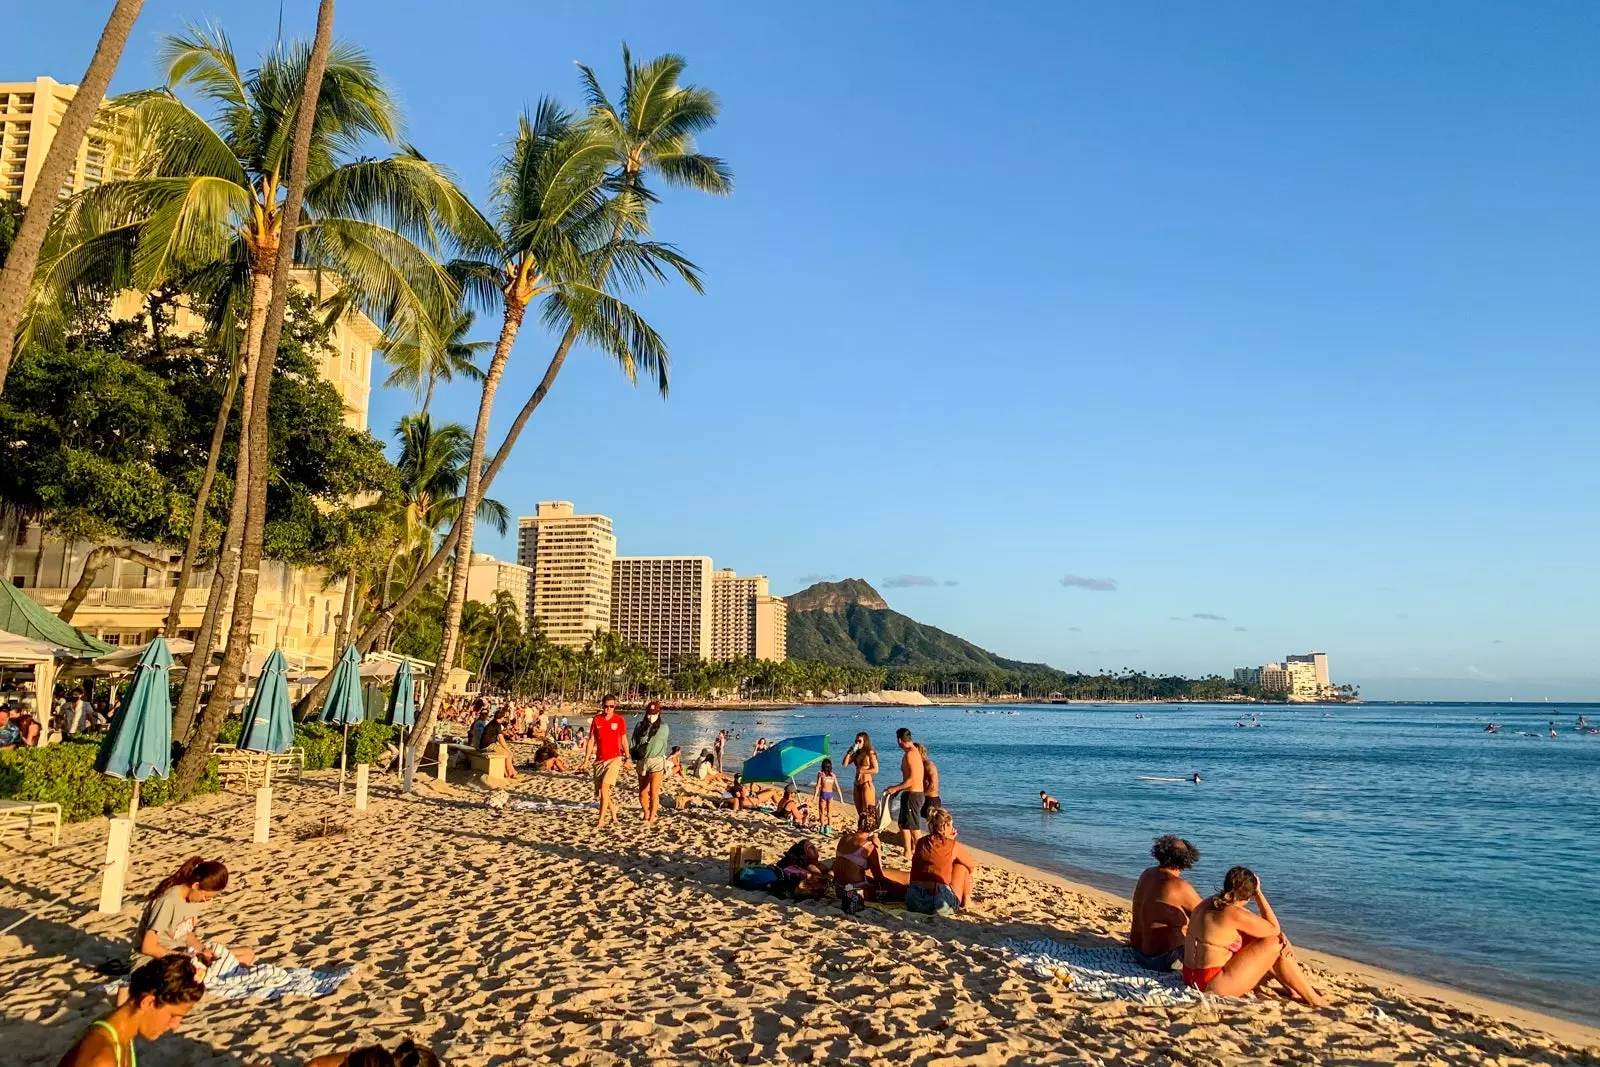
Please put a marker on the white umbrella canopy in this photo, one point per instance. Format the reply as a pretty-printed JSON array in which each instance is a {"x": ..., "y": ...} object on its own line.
[
  {"x": 125, "y": 659},
  {"x": 16, "y": 649}
]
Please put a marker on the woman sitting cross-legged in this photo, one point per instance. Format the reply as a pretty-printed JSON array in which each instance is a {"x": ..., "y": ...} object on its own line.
[
  {"x": 858, "y": 864},
  {"x": 172, "y": 909},
  {"x": 1229, "y": 950},
  {"x": 941, "y": 870}
]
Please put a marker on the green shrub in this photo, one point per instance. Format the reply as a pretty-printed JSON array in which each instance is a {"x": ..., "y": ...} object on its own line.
[
  {"x": 321, "y": 744},
  {"x": 369, "y": 739},
  {"x": 65, "y": 774},
  {"x": 231, "y": 731}
]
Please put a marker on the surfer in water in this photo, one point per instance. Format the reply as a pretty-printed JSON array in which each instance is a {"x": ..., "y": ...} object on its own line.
[
  {"x": 1048, "y": 802},
  {"x": 1492, "y": 728},
  {"x": 1195, "y": 778}
]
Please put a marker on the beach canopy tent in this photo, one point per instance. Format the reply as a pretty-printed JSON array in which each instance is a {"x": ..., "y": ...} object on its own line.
[
  {"x": 20, "y": 615},
  {"x": 268, "y": 723},
  {"x": 787, "y": 758}
]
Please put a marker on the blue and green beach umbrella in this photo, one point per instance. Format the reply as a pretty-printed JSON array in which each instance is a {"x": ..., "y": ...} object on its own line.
[
  {"x": 268, "y": 724},
  {"x": 403, "y": 697},
  {"x": 138, "y": 744},
  {"x": 345, "y": 704},
  {"x": 787, "y": 758}
]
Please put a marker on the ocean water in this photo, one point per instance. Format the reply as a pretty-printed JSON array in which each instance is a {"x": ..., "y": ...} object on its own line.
[{"x": 1400, "y": 835}]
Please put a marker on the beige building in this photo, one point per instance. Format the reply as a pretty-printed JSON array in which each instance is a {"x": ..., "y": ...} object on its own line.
[
  {"x": 30, "y": 114},
  {"x": 1303, "y": 677},
  {"x": 747, "y": 621},
  {"x": 570, "y": 559},
  {"x": 488, "y": 576},
  {"x": 1318, "y": 661},
  {"x": 664, "y": 603},
  {"x": 1274, "y": 679}
]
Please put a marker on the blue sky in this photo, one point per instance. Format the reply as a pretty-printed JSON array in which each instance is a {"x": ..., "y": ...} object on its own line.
[{"x": 1265, "y": 312}]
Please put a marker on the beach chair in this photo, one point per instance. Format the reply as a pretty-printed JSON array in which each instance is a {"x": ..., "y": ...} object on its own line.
[
  {"x": 24, "y": 817},
  {"x": 245, "y": 768}
]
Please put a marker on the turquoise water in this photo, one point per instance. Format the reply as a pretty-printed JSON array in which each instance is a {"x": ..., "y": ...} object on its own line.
[{"x": 1400, "y": 835}]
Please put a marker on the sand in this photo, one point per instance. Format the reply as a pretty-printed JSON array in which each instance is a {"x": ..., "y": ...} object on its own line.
[{"x": 513, "y": 937}]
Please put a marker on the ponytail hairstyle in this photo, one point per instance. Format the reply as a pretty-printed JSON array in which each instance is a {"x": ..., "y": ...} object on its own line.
[
  {"x": 1238, "y": 885},
  {"x": 209, "y": 875}
]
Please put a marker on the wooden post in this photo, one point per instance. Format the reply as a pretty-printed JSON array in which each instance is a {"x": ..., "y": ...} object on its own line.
[
  {"x": 263, "y": 815},
  {"x": 361, "y": 786},
  {"x": 444, "y": 759},
  {"x": 116, "y": 865}
]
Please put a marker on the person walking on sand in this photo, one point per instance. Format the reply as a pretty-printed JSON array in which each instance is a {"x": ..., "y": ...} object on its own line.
[
  {"x": 1228, "y": 949},
  {"x": 607, "y": 745},
  {"x": 649, "y": 753},
  {"x": 910, "y": 788},
  {"x": 160, "y": 993},
  {"x": 864, "y": 758},
  {"x": 1162, "y": 904}
]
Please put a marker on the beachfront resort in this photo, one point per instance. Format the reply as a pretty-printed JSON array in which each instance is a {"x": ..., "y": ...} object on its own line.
[{"x": 294, "y": 771}]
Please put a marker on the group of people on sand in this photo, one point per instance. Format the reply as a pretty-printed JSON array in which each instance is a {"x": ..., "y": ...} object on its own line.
[
  {"x": 169, "y": 961},
  {"x": 1218, "y": 943}
]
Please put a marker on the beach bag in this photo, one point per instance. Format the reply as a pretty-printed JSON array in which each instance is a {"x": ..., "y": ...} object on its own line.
[
  {"x": 740, "y": 857},
  {"x": 757, "y": 878},
  {"x": 886, "y": 819},
  {"x": 851, "y": 902}
]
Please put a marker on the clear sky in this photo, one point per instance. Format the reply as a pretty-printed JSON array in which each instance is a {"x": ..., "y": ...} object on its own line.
[{"x": 1073, "y": 326}]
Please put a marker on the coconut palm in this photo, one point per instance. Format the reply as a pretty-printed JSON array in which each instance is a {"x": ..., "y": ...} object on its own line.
[{"x": 417, "y": 364}]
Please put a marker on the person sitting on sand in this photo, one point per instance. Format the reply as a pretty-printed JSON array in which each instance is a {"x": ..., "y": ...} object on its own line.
[
  {"x": 789, "y": 806},
  {"x": 1162, "y": 904},
  {"x": 675, "y": 762},
  {"x": 1228, "y": 949},
  {"x": 492, "y": 740},
  {"x": 1048, "y": 802},
  {"x": 160, "y": 993},
  {"x": 548, "y": 758},
  {"x": 167, "y": 926},
  {"x": 858, "y": 864},
  {"x": 941, "y": 869},
  {"x": 407, "y": 1054}
]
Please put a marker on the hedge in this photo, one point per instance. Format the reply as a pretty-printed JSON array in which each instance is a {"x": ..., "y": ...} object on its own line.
[
  {"x": 321, "y": 742},
  {"x": 65, "y": 774}
]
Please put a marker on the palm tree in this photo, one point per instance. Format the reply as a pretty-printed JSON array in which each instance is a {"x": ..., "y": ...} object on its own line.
[
  {"x": 23, "y": 254},
  {"x": 419, "y": 365},
  {"x": 552, "y": 242}
]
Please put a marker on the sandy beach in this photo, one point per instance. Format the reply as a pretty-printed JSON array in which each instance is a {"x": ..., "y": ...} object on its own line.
[{"x": 506, "y": 936}]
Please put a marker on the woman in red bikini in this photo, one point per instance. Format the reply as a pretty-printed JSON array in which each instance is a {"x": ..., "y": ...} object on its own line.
[{"x": 1229, "y": 949}]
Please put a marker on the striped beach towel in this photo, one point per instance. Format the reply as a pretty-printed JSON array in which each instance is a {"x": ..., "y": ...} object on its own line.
[{"x": 1107, "y": 973}]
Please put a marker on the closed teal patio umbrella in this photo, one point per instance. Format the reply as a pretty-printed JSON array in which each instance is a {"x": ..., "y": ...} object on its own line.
[
  {"x": 138, "y": 744},
  {"x": 345, "y": 704},
  {"x": 403, "y": 707},
  {"x": 268, "y": 723}
]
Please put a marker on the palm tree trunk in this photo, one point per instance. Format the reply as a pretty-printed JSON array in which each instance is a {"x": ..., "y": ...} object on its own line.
[
  {"x": 427, "y": 397},
  {"x": 387, "y": 614},
  {"x": 58, "y": 164},
  {"x": 383, "y": 596},
  {"x": 347, "y": 608},
  {"x": 93, "y": 564},
  {"x": 227, "y": 570},
  {"x": 457, "y": 600},
  {"x": 244, "y": 597},
  {"x": 202, "y": 498}
]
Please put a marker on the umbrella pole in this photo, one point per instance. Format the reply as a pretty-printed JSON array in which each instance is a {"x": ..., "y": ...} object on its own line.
[
  {"x": 343, "y": 752},
  {"x": 133, "y": 815}
]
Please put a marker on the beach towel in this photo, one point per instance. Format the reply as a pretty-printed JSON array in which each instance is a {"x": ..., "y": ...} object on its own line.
[
  {"x": 886, "y": 819},
  {"x": 227, "y": 979},
  {"x": 1109, "y": 973}
]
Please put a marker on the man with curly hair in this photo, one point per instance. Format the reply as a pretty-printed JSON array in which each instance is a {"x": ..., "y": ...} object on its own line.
[{"x": 1162, "y": 903}]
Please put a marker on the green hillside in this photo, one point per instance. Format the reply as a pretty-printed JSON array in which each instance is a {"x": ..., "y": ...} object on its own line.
[{"x": 847, "y": 632}]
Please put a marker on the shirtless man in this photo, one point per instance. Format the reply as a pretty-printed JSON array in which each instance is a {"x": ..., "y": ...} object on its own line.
[
  {"x": 1048, "y": 802},
  {"x": 911, "y": 786},
  {"x": 1162, "y": 904}
]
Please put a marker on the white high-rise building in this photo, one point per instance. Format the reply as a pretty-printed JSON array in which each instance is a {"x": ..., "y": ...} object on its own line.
[
  {"x": 570, "y": 558},
  {"x": 747, "y": 622},
  {"x": 489, "y": 576}
]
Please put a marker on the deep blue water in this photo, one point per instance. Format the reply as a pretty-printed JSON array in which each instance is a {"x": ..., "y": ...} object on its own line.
[{"x": 1401, "y": 835}]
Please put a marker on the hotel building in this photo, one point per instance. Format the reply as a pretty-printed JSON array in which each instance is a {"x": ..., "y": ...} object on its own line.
[
  {"x": 569, "y": 557},
  {"x": 30, "y": 114},
  {"x": 1303, "y": 677},
  {"x": 488, "y": 576},
  {"x": 664, "y": 603},
  {"x": 747, "y": 622}
]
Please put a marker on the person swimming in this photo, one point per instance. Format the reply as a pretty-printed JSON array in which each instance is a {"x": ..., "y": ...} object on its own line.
[
  {"x": 1492, "y": 728},
  {"x": 1195, "y": 778},
  {"x": 1048, "y": 802}
]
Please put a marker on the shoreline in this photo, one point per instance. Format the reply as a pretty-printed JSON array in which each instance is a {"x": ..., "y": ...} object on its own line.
[{"x": 1561, "y": 1028}]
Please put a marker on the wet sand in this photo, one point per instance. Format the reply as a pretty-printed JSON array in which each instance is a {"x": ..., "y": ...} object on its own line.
[{"x": 512, "y": 937}]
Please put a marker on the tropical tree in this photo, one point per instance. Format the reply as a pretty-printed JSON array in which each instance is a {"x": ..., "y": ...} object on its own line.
[
  {"x": 419, "y": 363},
  {"x": 23, "y": 248}
]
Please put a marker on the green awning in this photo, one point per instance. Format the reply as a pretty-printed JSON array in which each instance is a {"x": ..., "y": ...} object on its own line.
[{"x": 20, "y": 614}]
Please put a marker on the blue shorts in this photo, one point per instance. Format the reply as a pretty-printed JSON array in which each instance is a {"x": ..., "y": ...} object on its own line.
[
  {"x": 828, "y": 794},
  {"x": 939, "y": 901}
]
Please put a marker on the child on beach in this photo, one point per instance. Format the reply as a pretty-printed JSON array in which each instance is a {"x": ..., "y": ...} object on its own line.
[
  {"x": 170, "y": 912},
  {"x": 789, "y": 807},
  {"x": 827, "y": 791},
  {"x": 160, "y": 993}
]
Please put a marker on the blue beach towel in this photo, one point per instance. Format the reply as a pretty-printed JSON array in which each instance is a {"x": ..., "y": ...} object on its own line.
[{"x": 1102, "y": 973}]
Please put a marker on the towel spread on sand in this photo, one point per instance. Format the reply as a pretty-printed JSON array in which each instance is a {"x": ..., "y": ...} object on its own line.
[
  {"x": 1103, "y": 973},
  {"x": 227, "y": 979},
  {"x": 552, "y": 805}
]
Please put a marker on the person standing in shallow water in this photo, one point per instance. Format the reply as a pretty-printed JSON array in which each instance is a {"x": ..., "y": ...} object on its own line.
[{"x": 1162, "y": 904}]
